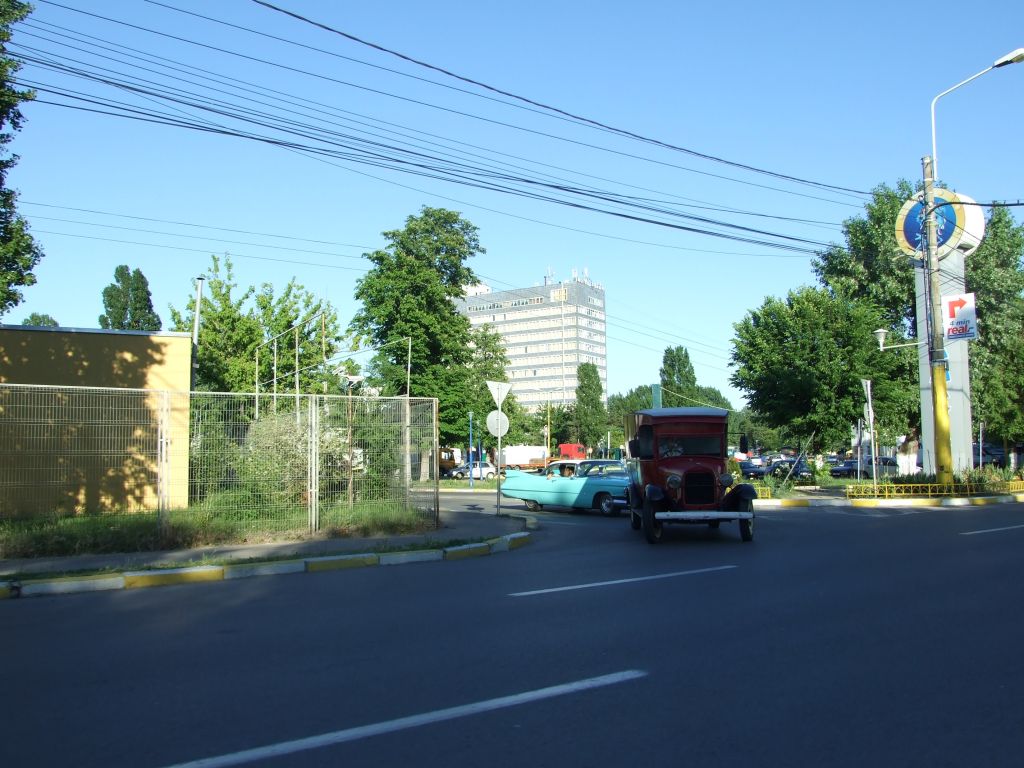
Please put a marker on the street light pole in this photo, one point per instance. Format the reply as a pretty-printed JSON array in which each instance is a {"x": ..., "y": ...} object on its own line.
[{"x": 936, "y": 346}]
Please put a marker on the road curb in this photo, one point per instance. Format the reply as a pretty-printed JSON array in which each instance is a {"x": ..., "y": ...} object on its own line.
[
  {"x": 976, "y": 501},
  {"x": 65, "y": 585}
]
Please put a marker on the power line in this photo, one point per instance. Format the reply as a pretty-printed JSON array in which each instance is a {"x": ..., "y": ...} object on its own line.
[
  {"x": 435, "y": 106},
  {"x": 451, "y": 174},
  {"x": 796, "y": 244},
  {"x": 556, "y": 110},
  {"x": 190, "y": 224}
]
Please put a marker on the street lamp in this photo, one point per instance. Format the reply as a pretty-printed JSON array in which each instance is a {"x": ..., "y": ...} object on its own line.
[
  {"x": 936, "y": 346},
  {"x": 1013, "y": 57},
  {"x": 880, "y": 334}
]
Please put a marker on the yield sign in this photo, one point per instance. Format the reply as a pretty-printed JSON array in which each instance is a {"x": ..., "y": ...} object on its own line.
[
  {"x": 498, "y": 391},
  {"x": 959, "y": 318}
]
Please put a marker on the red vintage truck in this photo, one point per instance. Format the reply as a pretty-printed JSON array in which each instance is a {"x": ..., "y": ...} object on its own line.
[{"x": 677, "y": 472}]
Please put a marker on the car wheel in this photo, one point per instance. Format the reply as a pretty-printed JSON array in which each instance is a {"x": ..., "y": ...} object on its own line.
[
  {"x": 458, "y": 475},
  {"x": 634, "y": 520},
  {"x": 531, "y": 505},
  {"x": 605, "y": 503},
  {"x": 652, "y": 527},
  {"x": 489, "y": 476}
]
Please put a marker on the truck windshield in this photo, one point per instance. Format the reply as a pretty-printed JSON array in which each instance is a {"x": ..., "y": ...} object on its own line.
[{"x": 689, "y": 445}]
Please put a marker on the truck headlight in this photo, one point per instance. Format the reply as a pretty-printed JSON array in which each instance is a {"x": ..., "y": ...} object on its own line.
[
  {"x": 726, "y": 479},
  {"x": 675, "y": 482}
]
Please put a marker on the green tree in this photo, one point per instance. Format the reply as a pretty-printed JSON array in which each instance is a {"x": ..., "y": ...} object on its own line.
[
  {"x": 995, "y": 273},
  {"x": 19, "y": 253},
  {"x": 801, "y": 362},
  {"x": 871, "y": 266},
  {"x": 563, "y": 426},
  {"x": 488, "y": 363},
  {"x": 871, "y": 270},
  {"x": 620, "y": 406},
  {"x": 228, "y": 333},
  {"x": 678, "y": 379},
  {"x": 128, "y": 304},
  {"x": 410, "y": 293},
  {"x": 232, "y": 328},
  {"x": 40, "y": 321},
  {"x": 297, "y": 319},
  {"x": 589, "y": 412}
]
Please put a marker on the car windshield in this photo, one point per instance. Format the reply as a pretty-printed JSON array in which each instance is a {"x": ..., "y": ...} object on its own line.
[
  {"x": 599, "y": 470},
  {"x": 689, "y": 445}
]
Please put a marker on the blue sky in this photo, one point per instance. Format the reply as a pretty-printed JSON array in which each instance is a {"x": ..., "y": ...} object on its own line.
[{"x": 834, "y": 95}]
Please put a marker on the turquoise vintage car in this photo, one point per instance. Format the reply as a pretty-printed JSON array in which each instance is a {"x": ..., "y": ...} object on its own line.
[{"x": 589, "y": 484}]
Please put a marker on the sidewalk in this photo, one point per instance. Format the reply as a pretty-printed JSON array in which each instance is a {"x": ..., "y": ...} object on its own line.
[{"x": 56, "y": 575}]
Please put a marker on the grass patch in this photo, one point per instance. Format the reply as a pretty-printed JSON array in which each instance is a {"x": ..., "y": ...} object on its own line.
[{"x": 228, "y": 518}]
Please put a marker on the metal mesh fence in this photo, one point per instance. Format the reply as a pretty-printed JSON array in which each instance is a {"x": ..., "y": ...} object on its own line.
[{"x": 264, "y": 465}]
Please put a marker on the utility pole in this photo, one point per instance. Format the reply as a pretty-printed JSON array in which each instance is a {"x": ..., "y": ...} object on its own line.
[{"x": 936, "y": 347}]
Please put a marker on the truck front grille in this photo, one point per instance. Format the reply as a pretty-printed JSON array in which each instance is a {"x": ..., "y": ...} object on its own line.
[{"x": 698, "y": 488}]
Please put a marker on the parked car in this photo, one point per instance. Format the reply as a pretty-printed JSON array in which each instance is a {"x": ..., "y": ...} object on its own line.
[
  {"x": 991, "y": 456},
  {"x": 677, "y": 468},
  {"x": 791, "y": 468},
  {"x": 752, "y": 471},
  {"x": 887, "y": 467},
  {"x": 845, "y": 468},
  {"x": 590, "y": 484},
  {"x": 481, "y": 471}
]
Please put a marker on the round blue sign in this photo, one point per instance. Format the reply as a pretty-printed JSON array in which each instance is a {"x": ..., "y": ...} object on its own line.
[
  {"x": 913, "y": 225},
  {"x": 950, "y": 224}
]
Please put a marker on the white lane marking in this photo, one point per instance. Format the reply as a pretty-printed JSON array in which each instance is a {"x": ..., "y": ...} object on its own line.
[
  {"x": 413, "y": 721},
  {"x": 621, "y": 581},
  {"x": 992, "y": 530}
]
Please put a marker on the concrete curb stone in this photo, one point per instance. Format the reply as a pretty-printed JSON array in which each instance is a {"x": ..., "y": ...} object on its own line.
[{"x": 206, "y": 573}]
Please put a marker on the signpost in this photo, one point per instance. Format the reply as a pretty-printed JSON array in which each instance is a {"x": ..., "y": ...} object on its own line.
[
  {"x": 497, "y": 425},
  {"x": 959, "y": 228}
]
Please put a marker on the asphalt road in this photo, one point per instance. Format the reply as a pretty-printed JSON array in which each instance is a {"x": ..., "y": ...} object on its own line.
[{"x": 838, "y": 637}]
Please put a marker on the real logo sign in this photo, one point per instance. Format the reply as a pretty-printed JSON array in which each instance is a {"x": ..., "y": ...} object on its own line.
[{"x": 959, "y": 318}]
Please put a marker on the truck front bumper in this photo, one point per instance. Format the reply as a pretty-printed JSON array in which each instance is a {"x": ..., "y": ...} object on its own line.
[{"x": 702, "y": 516}]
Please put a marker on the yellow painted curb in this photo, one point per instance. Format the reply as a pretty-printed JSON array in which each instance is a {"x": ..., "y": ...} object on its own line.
[
  {"x": 139, "y": 579},
  {"x": 6, "y": 591},
  {"x": 794, "y": 502},
  {"x": 516, "y": 540},
  {"x": 467, "y": 550},
  {"x": 339, "y": 562}
]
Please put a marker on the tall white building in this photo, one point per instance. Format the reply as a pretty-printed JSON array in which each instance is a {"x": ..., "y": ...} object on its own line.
[{"x": 548, "y": 331}]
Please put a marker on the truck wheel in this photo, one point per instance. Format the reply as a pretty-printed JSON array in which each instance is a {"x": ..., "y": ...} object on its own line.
[
  {"x": 605, "y": 503},
  {"x": 747, "y": 526},
  {"x": 634, "y": 520},
  {"x": 531, "y": 505},
  {"x": 652, "y": 527}
]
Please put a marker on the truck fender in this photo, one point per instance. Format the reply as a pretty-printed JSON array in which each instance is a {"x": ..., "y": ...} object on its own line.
[{"x": 741, "y": 492}]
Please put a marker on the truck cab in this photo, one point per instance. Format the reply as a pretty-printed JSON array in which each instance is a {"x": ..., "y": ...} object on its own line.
[{"x": 676, "y": 460}]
